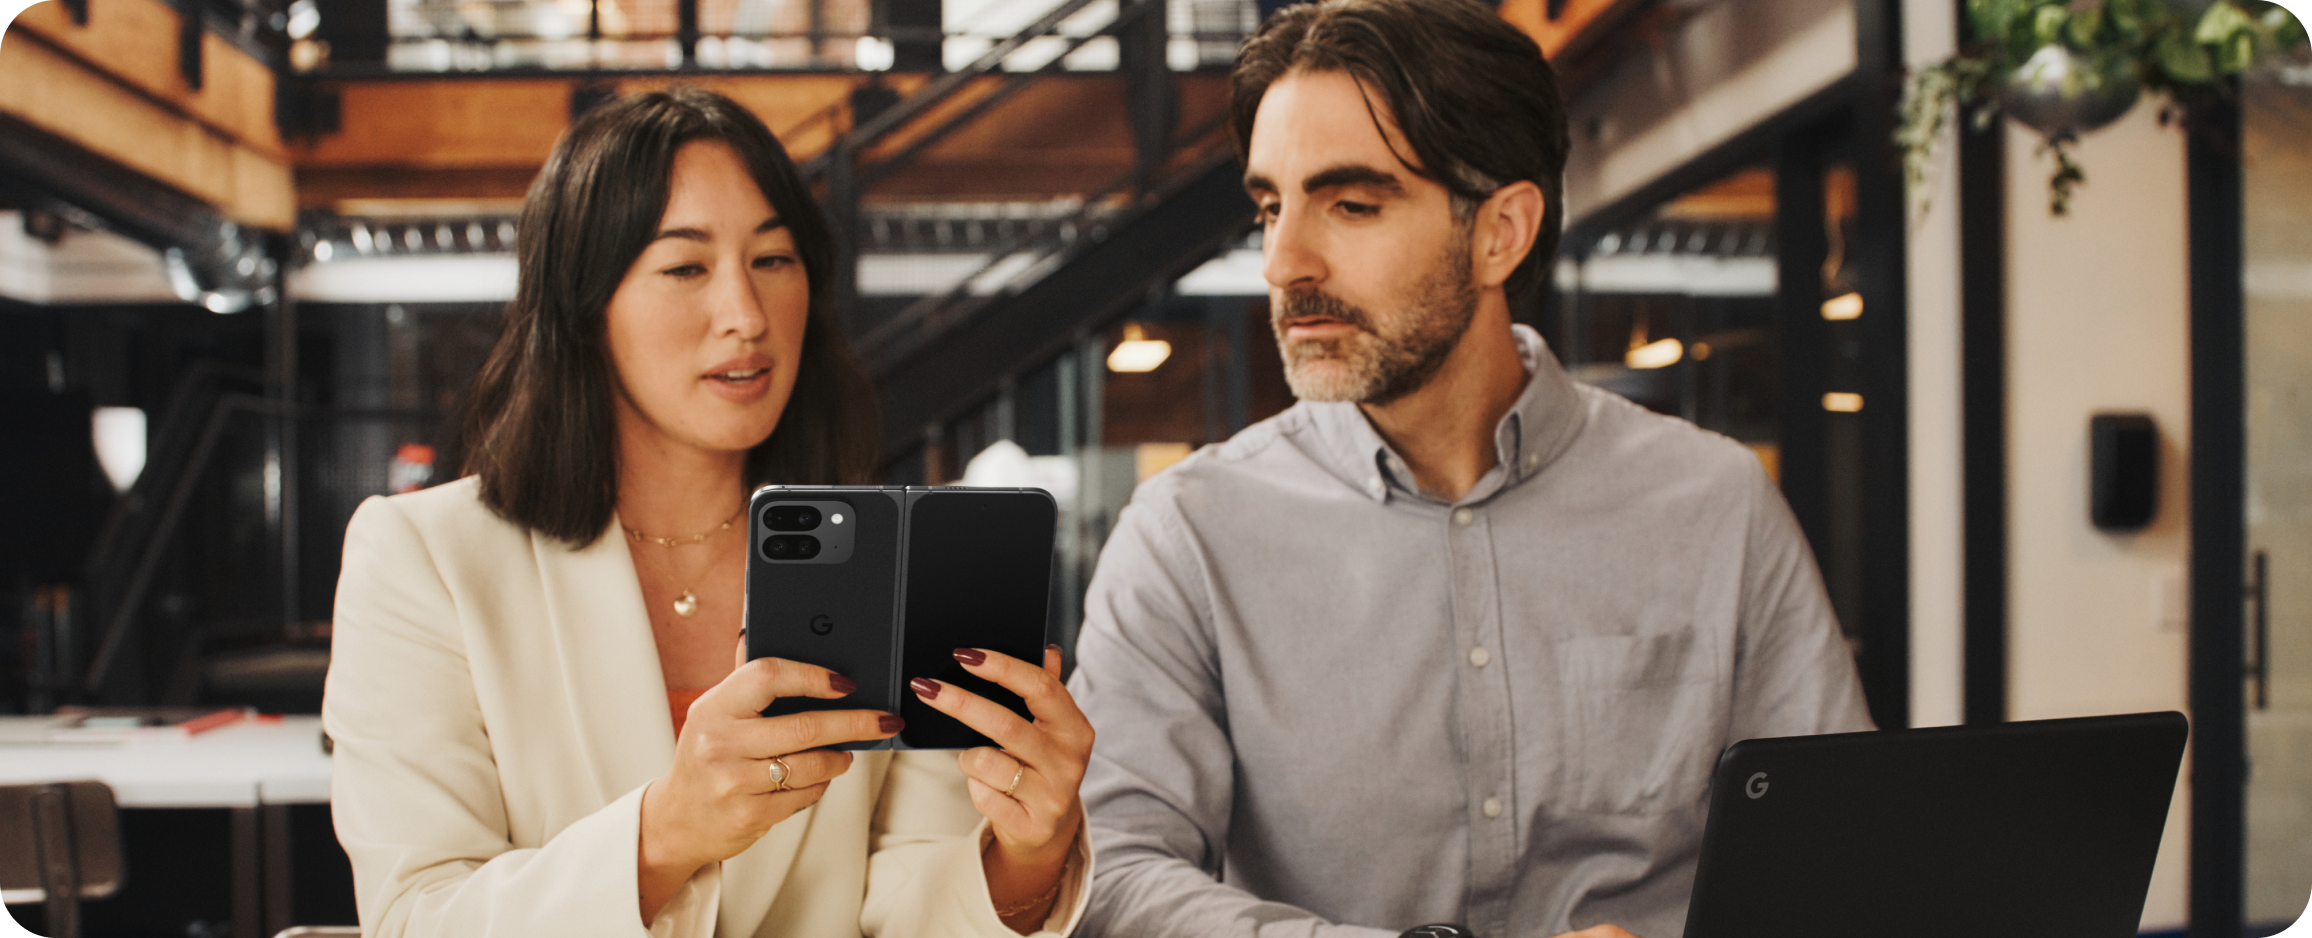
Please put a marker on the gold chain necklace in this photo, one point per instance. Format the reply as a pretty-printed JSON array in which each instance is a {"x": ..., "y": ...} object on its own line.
[{"x": 686, "y": 605}]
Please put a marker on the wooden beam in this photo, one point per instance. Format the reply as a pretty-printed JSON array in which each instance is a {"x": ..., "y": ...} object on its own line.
[
  {"x": 442, "y": 124},
  {"x": 485, "y": 138},
  {"x": 134, "y": 43},
  {"x": 58, "y": 92},
  {"x": 328, "y": 187}
]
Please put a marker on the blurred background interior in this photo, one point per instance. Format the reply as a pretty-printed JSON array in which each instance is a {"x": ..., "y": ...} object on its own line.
[{"x": 252, "y": 252}]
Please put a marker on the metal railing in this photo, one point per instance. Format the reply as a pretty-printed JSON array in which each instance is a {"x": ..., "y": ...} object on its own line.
[{"x": 760, "y": 35}]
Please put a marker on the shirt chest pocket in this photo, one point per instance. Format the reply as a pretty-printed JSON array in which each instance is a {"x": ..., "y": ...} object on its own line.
[{"x": 1643, "y": 718}]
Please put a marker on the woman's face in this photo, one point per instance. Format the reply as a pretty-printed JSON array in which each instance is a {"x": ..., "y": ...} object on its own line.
[{"x": 706, "y": 328}]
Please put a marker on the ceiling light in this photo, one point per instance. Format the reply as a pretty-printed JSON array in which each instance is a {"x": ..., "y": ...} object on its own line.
[
  {"x": 1657, "y": 354},
  {"x": 119, "y": 434},
  {"x": 1842, "y": 402},
  {"x": 1846, "y": 306},
  {"x": 874, "y": 54},
  {"x": 304, "y": 18},
  {"x": 1138, "y": 352}
]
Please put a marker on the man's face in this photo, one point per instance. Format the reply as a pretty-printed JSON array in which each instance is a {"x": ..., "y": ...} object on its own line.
[{"x": 1369, "y": 275}]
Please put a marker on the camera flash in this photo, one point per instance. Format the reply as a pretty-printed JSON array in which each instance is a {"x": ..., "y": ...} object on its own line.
[{"x": 837, "y": 518}]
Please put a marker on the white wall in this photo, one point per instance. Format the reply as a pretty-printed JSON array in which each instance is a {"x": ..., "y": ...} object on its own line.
[
  {"x": 2098, "y": 320},
  {"x": 1938, "y": 677}
]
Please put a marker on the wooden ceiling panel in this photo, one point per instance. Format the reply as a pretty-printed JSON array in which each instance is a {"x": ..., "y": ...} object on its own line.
[{"x": 463, "y": 138}]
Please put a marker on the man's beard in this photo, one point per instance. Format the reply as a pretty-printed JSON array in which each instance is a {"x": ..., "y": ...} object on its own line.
[{"x": 1379, "y": 363}]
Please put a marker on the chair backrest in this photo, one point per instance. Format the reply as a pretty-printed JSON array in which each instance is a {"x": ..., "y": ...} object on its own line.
[{"x": 59, "y": 844}]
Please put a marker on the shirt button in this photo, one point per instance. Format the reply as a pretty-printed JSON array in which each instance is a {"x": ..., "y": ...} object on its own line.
[
  {"x": 1492, "y": 807},
  {"x": 1480, "y": 657},
  {"x": 1462, "y": 516},
  {"x": 1374, "y": 485}
]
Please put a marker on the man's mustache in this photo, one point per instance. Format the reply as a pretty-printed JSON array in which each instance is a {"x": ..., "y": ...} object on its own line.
[{"x": 1300, "y": 304}]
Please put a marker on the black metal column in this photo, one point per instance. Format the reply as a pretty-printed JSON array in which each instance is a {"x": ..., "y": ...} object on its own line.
[
  {"x": 189, "y": 50},
  {"x": 1148, "y": 80},
  {"x": 281, "y": 387},
  {"x": 686, "y": 31},
  {"x": 843, "y": 216},
  {"x": 2219, "y": 534},
  {"x": 1983, "y": 417},
  {"x": 356, "y": 31},
  {"x": 1883, "y": 260},
  {"x": 1802, "y": 245},
  {"x": 913, "y": 26}
]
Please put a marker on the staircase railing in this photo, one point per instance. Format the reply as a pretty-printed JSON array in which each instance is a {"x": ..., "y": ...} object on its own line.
[
  {"x": 939, "y": 90},
  {"x": 1198, "y": 213},
  {"x": 916, "y": 325}
]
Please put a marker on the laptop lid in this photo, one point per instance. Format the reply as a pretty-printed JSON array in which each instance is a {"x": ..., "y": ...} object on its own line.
[{"x": 2044, "y": 829}]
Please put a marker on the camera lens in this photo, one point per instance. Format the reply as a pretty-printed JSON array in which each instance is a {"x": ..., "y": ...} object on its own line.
[
  {"x": 791, "y": 547},
  {"x": 791, "y": 518}
]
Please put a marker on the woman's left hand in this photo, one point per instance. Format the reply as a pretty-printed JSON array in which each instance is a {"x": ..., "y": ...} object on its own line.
[{"x": 1027, "y": 788}]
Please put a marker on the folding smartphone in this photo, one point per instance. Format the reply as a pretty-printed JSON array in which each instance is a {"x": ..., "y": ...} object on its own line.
[{"x": 881, "y": 584}]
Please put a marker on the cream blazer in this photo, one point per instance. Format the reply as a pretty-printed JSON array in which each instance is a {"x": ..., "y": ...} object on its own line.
[{"x": 497, "y": 707}]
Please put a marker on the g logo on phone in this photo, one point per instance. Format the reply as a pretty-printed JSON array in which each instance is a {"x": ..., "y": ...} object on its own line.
[
  {"x": 821, "y": 625},
  {"x": 1756, "y": 787}
]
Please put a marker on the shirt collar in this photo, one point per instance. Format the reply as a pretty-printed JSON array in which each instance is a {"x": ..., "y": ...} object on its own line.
[{"x": 1526, "y": 441}]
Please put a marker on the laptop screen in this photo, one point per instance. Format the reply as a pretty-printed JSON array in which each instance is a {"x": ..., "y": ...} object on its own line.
[{"x": 2045, "y": 829}]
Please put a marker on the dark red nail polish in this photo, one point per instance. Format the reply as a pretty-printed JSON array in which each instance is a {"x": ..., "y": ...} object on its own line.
[
  {"x": 924, "y": 686},
  {"x": 971, "y": 656},
  {"x": 890, "y": 724},
  {"x": 841, "y": 684}
]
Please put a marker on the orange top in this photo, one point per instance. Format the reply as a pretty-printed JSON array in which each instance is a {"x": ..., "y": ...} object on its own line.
[{"x": 679, "y": 701}]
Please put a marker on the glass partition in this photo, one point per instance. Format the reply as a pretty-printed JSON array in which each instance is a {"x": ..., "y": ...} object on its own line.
[
  {"x": 1737, "y": 304},
  {"x": 2276, "y": 182}
]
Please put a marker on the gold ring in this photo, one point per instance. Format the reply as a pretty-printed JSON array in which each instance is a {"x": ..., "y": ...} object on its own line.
[
  {"x": 1016, "y": 774},
  {"x": 779, "y": 773}
]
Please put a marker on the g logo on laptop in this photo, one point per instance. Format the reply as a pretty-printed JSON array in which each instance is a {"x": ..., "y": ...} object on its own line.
[
  {"x": 1755, "y": 787},
  {"x": 821, "y": 625}
]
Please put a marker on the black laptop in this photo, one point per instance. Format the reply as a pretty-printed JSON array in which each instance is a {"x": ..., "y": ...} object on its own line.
[{"x": 2045, "y": 829}]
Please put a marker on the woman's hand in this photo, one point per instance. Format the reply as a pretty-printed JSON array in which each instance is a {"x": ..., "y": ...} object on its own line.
[
  {"x": 724, "y": 791},
  {"x": 1028, "y": 788}
]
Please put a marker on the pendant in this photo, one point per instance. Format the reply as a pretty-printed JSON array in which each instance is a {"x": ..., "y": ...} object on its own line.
[{"x": 686, "y": 606}]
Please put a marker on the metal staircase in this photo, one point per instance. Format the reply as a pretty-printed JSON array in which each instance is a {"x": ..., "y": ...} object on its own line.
[{"x": 1048, "y": 285}]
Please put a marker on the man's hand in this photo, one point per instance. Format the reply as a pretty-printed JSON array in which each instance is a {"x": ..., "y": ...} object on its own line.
[{"x": 1599, "y": 931}]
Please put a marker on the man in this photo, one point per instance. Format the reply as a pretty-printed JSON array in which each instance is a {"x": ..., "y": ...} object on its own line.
[{"x": 1455, "y": 639}]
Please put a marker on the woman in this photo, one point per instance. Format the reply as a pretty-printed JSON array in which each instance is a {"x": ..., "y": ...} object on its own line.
[{"x": 542, "y": 722}]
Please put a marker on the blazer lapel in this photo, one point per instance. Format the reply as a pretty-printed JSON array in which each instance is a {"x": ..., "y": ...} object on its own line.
[
  {"x": 601, "y": 637},
  {"x": 617, "y": 699}
]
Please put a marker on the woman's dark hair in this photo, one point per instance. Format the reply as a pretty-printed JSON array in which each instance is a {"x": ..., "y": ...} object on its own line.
[
  {"x": 540, "y": 427},
  {"x": 1472, "y": 94}
]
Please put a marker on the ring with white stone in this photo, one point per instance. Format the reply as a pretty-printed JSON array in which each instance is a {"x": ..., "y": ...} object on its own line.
[{"x": 780, "y": 771}]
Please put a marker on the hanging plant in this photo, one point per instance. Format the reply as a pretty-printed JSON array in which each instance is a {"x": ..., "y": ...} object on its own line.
[{"x": 2066, "y": 67}]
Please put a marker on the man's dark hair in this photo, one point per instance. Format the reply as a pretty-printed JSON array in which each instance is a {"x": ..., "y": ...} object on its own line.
[
  {"x": 540, "y": 426},
  {"x": 1472, "y": 94}
]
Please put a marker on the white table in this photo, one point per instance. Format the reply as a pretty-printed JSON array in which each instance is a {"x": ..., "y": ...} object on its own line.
[{"x": 254, "y": 769}]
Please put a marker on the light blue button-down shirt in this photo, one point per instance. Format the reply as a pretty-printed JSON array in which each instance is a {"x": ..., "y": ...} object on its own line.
[{"x": 1328, "y": 703}]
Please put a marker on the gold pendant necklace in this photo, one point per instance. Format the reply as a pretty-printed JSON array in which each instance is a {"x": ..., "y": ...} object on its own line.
[{"x": 686, "y": 605}]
